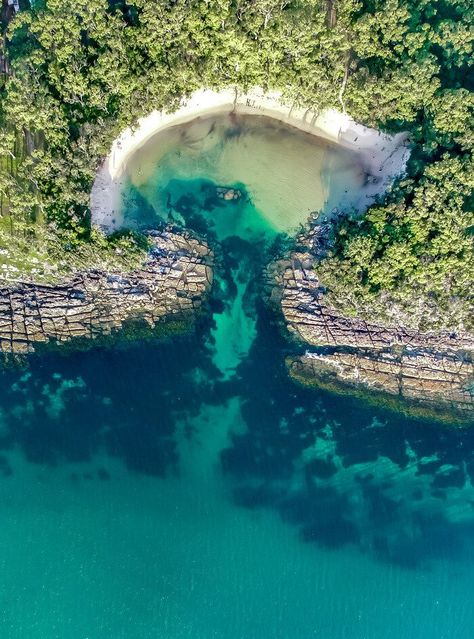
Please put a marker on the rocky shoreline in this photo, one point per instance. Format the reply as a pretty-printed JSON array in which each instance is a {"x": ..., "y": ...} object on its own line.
[
  {"x": 170, "y": 285},
  {"x": 436, "y": 382},
  {"x": 434, "y": 369}
]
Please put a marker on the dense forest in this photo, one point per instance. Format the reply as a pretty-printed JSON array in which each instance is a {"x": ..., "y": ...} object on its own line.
[{"x": 74, "y": 73}]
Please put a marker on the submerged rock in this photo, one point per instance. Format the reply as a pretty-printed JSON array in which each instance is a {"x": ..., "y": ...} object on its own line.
[
  {"x": 170, "y": 285},
  {"x": 228, "y": 194}
]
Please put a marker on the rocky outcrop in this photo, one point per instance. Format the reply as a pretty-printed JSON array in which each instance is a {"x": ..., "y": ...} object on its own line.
[
  {"x": 434, "y": 367},
  {"x": 428, "y": 378},
  {"x": 307, "y": 316},
  {"x": 170, "y": 285},
  {"x": 228, "y": 194}
]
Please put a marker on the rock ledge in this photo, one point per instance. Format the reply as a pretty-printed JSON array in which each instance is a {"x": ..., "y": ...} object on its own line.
[
  {"x": 170, "y": 285},
  {"x": 435, "y": 368}
]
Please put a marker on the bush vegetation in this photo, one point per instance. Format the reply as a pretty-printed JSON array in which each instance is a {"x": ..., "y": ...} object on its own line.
[{"x": 76, "y": 72}]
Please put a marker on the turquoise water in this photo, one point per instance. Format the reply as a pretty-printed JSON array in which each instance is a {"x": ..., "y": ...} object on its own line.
[
  {"x": 286, "y": 173},
  {"x": 188, "y": 489},
  {"x": 142, "y": 497}
]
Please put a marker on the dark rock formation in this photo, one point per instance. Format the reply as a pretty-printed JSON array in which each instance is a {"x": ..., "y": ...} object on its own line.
[
  {"x": 170, "y": 285},
  {"x": 434, "y": 367},
  {"x": 228, "y": 194}
]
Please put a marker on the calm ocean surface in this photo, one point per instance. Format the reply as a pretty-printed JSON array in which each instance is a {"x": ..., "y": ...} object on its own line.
[{"x": 189, "y": 489}]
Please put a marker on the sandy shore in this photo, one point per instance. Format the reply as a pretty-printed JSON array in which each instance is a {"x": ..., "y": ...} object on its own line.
[{"x": 383, "y": 157}]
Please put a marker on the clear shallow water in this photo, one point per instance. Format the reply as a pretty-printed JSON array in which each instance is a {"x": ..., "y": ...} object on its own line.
[
  {"x": 190, "y": 490},
  {"x": 287, "y": 173}
]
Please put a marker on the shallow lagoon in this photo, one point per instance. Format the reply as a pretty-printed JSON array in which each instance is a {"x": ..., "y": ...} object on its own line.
[
  {"x": 190, "y": 490},
  {"x": 287, "y": 173}
]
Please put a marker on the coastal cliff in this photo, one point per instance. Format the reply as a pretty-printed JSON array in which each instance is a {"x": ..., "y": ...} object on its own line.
[
  {"x": 434, "y": 368},
  {"x": 170, "y": 285}
]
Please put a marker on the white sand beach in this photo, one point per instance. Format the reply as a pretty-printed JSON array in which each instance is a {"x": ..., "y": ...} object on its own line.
[{"x": 382, "y": 157}]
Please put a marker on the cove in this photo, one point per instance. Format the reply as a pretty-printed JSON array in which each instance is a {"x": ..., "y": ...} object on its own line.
[
  {"x": 382, "y": 157},
  {"x": 189, "y": 489},
  {"x": 287, "y": 173},
  {"x": 246, "y": 183}
]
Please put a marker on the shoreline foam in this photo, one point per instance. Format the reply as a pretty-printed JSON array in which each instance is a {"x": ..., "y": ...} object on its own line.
[{"x": 383, "y": 157}]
